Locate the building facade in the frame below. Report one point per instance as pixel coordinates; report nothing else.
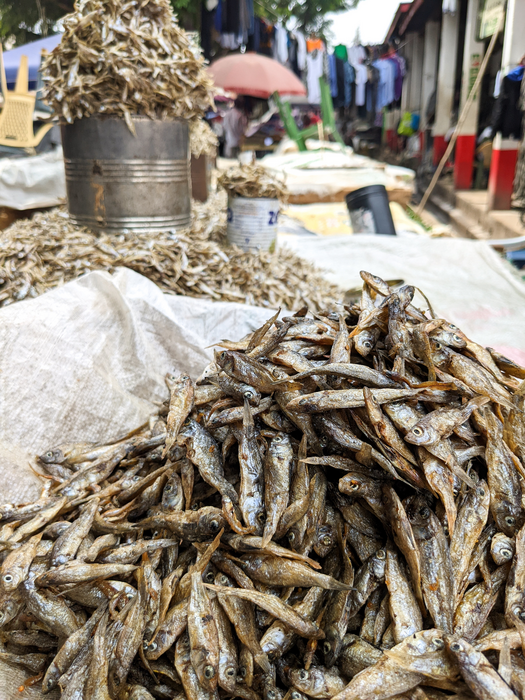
(444, 43)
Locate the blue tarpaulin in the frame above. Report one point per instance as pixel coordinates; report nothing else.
(32, 51)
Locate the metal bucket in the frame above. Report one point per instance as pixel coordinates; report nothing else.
(252, 223)
(118, 182)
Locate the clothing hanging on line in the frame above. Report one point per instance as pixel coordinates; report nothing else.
(314, 67)
(361, 78)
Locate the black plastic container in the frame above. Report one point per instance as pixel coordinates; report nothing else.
(370, 211)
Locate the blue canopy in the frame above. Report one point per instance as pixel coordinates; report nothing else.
(32, 51)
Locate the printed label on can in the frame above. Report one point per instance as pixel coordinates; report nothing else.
(252, 223)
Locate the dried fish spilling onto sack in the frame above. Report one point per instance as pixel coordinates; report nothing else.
(252, 181)
(125, 58)
(332, 510)
(203, 141)
(46, 251)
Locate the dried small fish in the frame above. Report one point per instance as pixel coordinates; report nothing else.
(125, 58)
(252, 181)
(271, 553)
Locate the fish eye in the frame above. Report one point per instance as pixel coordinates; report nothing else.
(455, 646)
(354, 485)
(424, 513)
(456, 337)
(136, 478)
(168, 487)
(327, 648)
(522, 615)
(209, 672)
(223, 579)
(291, 537)
(222, 355)
(195, 506)
(209, 577)
(151, 646)
(438, 346)
(481, 492)
(249, 394)
(230, 671)
(516, 610)
(271, 694)
(451, 325)
(49, 454)
(7, 578)
(214, 525)
(381, 554)
(367, 344)
(326, 540)
(278, 438)
(303, 675)
(261, 517)
(418, 432)
(506, 553)
(510, 520)
(242, 672)
(438, 643)
(296, 695)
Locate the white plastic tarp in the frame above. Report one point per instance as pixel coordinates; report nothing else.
(34, 182)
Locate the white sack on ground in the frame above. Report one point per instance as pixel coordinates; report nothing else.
(34, 182)
(87, 361)
(466, 281)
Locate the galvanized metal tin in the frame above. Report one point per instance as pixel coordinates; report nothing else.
(119, 182)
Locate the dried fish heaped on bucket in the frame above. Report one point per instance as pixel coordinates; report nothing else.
(125, 59)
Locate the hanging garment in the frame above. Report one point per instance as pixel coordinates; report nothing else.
(292, 54)
(314, 67)
(381, 84)
(349, 83)
(266, 41)
(218, 17)
(207, 26)
(507, 115)
(400, 74)
(332, 70)
(372, 90)
(231, 15)
(391, 79)
(361, 76)
(356, 55)
(314, 45)
(339, 100)
(281, 43)
(341, 52)
(301, 51)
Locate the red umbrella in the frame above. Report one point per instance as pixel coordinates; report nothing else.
(255, 75)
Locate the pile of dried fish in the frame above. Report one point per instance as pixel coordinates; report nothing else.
(203, 141)
(252, 181)
(42, 253)
(125, 58)
(334, 509)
